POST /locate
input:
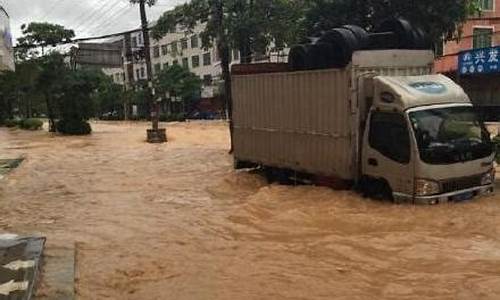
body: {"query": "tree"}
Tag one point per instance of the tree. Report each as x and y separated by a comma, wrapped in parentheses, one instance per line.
(51, 82)
(180, 82)
(41, 35)
(440, 19)
(108, 97)
(75, 104)
(247, 25)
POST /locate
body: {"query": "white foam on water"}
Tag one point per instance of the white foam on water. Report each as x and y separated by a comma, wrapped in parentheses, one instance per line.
(8, 236)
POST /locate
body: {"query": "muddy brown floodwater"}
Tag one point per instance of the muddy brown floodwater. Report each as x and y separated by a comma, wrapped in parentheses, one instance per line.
(175, 221)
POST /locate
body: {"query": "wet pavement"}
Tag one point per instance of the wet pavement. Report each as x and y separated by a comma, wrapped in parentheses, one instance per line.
(175, 221)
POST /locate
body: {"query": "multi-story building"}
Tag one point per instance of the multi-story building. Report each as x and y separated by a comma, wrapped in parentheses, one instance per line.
(181, 47)
(481, 31)
(184, 48)
(6, 50)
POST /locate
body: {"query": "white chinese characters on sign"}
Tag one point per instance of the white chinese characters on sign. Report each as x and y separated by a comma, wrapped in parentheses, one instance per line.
(493, 56)
(480, 61)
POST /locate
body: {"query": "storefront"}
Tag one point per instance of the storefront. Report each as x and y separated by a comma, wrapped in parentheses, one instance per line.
(478, 73)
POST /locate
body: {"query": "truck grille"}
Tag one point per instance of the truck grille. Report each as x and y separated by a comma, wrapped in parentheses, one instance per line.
(460, 183)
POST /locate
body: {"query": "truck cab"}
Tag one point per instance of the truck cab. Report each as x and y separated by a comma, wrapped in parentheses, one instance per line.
(423, 142)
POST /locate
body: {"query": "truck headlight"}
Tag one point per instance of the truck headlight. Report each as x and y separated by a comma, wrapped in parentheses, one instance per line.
(488, 178)
(425, 187)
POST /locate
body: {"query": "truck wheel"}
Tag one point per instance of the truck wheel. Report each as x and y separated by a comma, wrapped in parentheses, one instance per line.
(297, 58)
(343, 42)
(373, 188)
(241, 164)
(360, 34)
(277, 175)
(402, 33)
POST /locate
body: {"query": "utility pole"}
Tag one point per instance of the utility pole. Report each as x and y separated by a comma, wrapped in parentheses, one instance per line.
(154, 135)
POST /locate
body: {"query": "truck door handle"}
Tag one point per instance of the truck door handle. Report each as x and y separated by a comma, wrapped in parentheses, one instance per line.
(372, 162)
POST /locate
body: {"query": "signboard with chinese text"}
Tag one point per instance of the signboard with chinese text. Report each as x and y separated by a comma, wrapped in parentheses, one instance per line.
(479, 61)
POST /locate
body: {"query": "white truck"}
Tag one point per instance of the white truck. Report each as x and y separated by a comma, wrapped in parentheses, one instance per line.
(384, 123)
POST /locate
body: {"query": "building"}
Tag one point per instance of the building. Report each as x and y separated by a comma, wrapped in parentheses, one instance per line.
(181, 47)
(479, 32)
(6, 49)
(184, 48)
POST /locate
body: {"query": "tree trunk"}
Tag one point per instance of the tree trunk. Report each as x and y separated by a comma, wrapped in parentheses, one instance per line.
(245, 44)
(245, 52)
(50, 113)
(223, 49)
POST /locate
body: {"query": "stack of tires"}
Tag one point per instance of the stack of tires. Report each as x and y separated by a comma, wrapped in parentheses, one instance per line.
(334, 48)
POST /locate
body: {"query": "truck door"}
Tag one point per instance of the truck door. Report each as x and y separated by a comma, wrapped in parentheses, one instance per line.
(387, 151)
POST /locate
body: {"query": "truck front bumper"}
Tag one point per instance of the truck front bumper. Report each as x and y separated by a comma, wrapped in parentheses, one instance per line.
(444, 198)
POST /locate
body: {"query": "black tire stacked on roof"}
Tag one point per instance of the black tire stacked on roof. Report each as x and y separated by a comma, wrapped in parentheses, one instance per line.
(334, 48)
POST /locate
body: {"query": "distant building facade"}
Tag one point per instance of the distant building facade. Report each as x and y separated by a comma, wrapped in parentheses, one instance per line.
(6, 49)
(479, 32)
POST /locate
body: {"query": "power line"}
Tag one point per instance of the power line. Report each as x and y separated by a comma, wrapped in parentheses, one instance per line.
(84, 19)
(51, 9)
(111, 19)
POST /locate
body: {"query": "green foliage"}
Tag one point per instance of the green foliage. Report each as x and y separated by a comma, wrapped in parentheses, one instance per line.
(40, 35)
(109, 97)
(429, 14)
(11, 123)
(148, 2)
(31, 124)
(248, 25)
(73, 127)
(76, 104)
(178, 81)
(177, 117)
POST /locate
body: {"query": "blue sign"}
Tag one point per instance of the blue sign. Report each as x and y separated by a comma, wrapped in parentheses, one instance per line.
(479, 61)
(429, 87)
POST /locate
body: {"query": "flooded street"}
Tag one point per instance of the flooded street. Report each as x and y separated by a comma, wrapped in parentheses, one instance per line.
(175, 221)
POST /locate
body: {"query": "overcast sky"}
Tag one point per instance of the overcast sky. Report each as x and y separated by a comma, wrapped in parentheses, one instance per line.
(86, 17)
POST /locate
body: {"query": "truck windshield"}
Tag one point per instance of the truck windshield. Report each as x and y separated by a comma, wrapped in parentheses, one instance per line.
(449, 135)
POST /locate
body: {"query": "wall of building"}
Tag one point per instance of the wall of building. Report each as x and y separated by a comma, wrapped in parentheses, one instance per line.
(6, 50)
(487, 19)
(483, 90)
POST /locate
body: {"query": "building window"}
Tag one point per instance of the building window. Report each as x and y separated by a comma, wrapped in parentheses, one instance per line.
(164, 49)
(194, 41)
(207, 80)
(157, 68)
(486, 4)
(143, 73)
(207, 59)
(185, 62)
(236, 54)
(139, 39)
(175, 62)
(134, 42)
(165, 65)
(173, 47)
(138, 74)
(482, 37)
(184, 43)
(195, 61)
(156, 51)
